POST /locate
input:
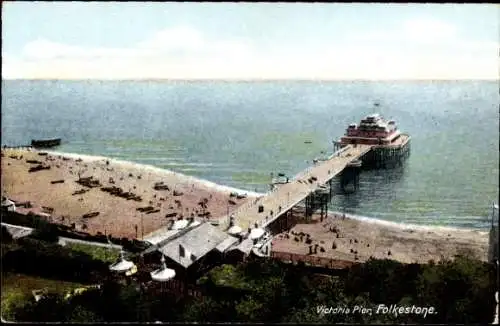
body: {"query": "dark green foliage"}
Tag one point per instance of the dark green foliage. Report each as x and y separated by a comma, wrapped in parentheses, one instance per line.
(385, 280)
(463, 289)
(50, 260)
(46, 232)
(51, 309)
(267, 291)
(6, 236)
(208, 310)
(28, 220)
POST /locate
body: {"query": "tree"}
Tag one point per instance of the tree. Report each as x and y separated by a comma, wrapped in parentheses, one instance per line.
(50, 309)
(80, 314)
(462, 291)
(251, 309)
(46, 232)
(208, 310)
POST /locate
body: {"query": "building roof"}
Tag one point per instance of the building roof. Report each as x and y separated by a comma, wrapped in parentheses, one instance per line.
(7, 202)
(234, 230)
(245, 246)
(194, 244)
(226, 244)
(180, 224)
(17, 231)
(256, 233)
(163, 274)
(160, 235)
(121, 266)
(163, 234)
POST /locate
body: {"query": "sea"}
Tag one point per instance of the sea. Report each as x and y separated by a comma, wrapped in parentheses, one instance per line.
(236, 133)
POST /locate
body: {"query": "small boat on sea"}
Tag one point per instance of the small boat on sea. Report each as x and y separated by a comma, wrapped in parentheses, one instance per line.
(46, 143)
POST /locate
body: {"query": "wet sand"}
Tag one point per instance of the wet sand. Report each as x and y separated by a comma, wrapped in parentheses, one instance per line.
(359, 240)
(117, 216)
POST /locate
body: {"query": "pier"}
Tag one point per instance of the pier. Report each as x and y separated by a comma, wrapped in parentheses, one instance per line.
(266, 209)
(312, 188)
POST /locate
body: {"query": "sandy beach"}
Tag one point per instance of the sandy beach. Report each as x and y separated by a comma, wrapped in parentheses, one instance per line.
(118, 216)
(337, 237)
(357, 240)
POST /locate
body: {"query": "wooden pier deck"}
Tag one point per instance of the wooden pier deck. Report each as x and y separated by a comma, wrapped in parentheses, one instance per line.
(285, 196)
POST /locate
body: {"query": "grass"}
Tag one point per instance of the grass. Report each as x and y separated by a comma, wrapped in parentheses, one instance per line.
(17, 290)
(229, 276)
(104, 254)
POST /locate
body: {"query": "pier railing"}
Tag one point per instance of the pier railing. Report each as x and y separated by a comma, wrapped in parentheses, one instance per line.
(284, 196)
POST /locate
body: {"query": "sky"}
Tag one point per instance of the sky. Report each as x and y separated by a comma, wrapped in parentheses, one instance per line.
(175, 40)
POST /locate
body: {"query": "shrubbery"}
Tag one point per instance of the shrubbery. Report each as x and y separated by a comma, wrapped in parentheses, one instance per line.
(461, 291)
(35, 257)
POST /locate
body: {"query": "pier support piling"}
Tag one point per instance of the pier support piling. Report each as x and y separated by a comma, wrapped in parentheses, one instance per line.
(350, 175)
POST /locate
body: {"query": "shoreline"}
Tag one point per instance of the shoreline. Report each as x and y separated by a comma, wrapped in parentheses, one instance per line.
(213, 186)
(407, 226)
(92, 209)
(356, 240)
(134, 165)
(219, 187)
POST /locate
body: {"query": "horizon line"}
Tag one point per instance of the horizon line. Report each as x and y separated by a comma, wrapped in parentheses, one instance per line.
(257, 79)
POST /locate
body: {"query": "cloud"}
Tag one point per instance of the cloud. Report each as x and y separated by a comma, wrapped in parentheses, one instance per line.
(177, 37)
(428, 30)
(420, 49)
(41, 49)
(179, 52)
(175, 42)
(414, 31)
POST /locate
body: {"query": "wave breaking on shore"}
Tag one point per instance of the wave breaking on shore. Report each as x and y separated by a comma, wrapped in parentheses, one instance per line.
(155, 169)
(408, 226)
(222, 188)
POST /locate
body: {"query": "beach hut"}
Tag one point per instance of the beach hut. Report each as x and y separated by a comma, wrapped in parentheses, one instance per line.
(8, 205)
(163, 274)
(123, 265)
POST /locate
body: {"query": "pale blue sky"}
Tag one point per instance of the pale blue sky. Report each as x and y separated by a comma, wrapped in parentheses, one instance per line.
(249, 40)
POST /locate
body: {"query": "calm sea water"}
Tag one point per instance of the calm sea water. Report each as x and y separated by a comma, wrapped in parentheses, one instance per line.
(237, 133)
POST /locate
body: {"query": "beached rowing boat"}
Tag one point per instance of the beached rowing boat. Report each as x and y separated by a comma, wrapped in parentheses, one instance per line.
(46, 143)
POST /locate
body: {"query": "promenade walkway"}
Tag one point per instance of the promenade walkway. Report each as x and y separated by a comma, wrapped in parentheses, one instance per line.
(285, 196)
